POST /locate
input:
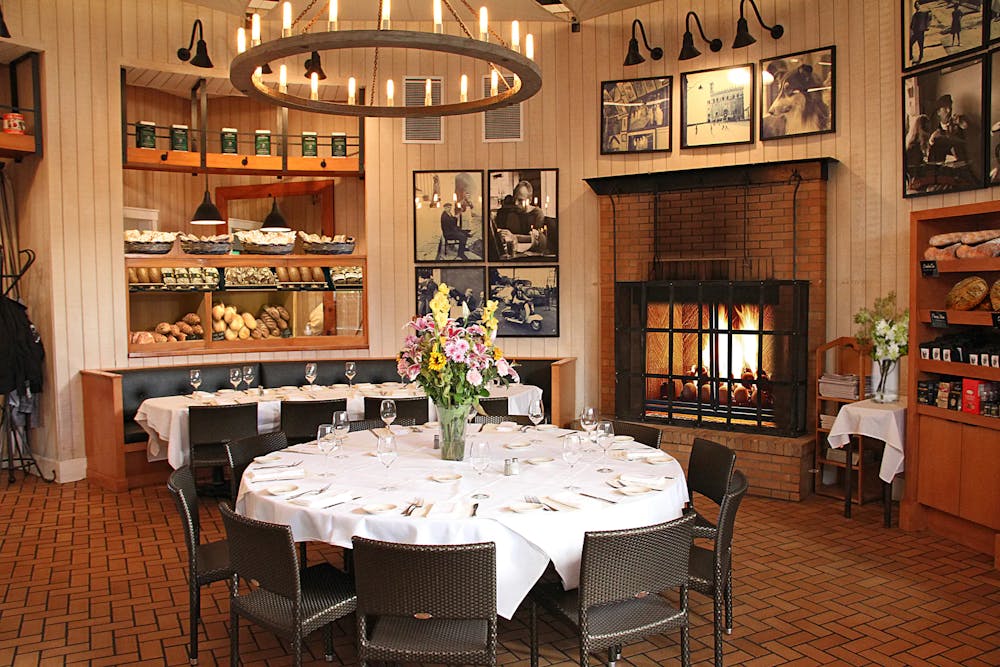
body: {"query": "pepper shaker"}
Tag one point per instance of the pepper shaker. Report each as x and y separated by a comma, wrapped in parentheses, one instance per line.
(437, 441)
(508, 467)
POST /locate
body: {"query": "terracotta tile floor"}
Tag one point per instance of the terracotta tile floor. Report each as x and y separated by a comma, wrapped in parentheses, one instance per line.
(89, 577)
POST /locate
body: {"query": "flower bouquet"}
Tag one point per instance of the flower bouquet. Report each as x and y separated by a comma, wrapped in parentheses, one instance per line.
(454, 362)
(885, 330)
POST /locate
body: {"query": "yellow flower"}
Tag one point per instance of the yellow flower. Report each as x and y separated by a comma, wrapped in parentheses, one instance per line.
(489, 309)
(497, 354)
(436, 361)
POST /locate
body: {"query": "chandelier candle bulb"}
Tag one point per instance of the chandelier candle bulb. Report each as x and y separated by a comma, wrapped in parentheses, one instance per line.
(428, 99)
(463, 94)
(262, 142)
(385, 14)
(352, 90)
(314, 86)
(258, 73)
(283, 79)
(515, 36)
(438, 22)
(484, 33)
(390, 93)
(255, 30)
(309, 144)
(529, 46)
(241, 40)
(286, 19)
(494, 83)
(333, 23)
(338, 144)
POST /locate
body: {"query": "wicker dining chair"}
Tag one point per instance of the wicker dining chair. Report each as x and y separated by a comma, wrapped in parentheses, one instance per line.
(241, 453)
(494, 406)
(711, 570)
(415, 408)
(710, 473)
(301, 419)
(647, 435)
(207, 562)
(369, 424)
(520, 420)
(441, 605)
(210, 427)
(621, 574)
(290, 602)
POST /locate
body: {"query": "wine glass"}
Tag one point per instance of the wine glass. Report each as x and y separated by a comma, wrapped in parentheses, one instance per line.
(605, 438)
(350, 370)
(326, 440)
(387, 454)
(194, 376)
(387, 411)
(479, 457)
(572, 451)
(588, 420)
(536, 413)
(311, 371)
(342, 426)
(235, 377)
(248, 376)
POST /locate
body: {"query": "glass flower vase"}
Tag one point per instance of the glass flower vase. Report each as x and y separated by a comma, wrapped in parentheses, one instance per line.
(885, 380)
(453, 420)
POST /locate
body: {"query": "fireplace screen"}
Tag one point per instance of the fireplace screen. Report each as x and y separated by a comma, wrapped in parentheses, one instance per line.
(717, 354)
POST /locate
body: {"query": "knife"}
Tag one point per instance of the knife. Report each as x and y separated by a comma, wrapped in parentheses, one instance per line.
(607, 500)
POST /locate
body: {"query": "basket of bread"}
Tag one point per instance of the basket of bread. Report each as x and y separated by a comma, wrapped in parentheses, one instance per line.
(314, 244)
(228, 323)
(187, 328)
(982, 244)
(146, 242)
(219, 244)
(257, 242)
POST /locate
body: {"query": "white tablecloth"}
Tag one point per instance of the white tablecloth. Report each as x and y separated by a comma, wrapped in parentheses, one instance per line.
(883, 421)
(165, 418)
(525, 541)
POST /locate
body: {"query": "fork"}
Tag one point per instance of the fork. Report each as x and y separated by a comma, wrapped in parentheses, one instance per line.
(419, 502)
(310, 492)
(277, 466)
(537, 501)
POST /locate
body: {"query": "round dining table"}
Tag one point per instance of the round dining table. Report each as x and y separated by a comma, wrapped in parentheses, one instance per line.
(530, 514)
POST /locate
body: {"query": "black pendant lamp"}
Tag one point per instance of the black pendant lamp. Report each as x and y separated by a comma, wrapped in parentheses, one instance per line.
(743, 36)
(633, 57)
(313, 64)
(201, 58)
(4, 32)
(275, 222)
(207, 213)
(688, 49)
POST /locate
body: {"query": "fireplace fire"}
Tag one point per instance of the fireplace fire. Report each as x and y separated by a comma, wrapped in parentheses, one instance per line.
(720, 354)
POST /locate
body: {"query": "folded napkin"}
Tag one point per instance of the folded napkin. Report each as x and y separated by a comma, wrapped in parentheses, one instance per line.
(658, 483)
(394, 429)
(322, 500)
(305, 448)
(640, 454)
(569, 500)
(202, 394)
(275, 474)
(448, 510)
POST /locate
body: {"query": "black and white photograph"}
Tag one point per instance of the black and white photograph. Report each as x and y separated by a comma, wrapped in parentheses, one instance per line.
(523, 222)
(798, 94)
(467, 286)
(527, 300)
(717, 106)
(943, 134)
(636, 115)
(994, 117)
(448, 216)
(934, 30)
(993, 19)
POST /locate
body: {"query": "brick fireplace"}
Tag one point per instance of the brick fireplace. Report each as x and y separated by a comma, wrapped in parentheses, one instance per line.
(732, 225)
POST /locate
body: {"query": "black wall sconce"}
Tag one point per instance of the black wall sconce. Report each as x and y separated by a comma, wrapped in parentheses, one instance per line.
(4, 32)
(633, 57)
(743, 36)
(688, 50)
(201, 58)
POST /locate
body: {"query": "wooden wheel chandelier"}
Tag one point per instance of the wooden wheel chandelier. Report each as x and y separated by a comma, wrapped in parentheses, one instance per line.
(249, 64)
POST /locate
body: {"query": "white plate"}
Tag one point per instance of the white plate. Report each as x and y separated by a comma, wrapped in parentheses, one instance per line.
(504, 429)
(267, 458)
(659, 460)
(547, 427)
(432, 424)
(635, 490)
(518, 444)
(540, 461)
(281, 489)
(521, 508)
(508, 424)
(624, 438)
(339, 385)
(226, 391)
(289, 387)
(380, 508)
(392, 384)
(453, 477)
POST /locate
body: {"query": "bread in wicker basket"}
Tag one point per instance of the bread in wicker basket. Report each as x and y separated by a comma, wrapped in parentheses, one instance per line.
(314, 244)
(147, 242)
(266, 243)
(220, 244)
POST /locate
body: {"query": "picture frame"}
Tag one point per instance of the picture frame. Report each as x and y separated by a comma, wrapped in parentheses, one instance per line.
(523, 215)
(637, 115)
(928, 31)
(527, 300)
(944, 143)
(798, 94)
(717, 106)
(467, 283)
(993, 119)
(448, 216)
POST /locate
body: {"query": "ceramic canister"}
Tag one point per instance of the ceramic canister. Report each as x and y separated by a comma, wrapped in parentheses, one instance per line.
(13, 123)
(178, 137)
(145, 134)
(230, 141)
(338, 141)
(309, 148)
(262, 142)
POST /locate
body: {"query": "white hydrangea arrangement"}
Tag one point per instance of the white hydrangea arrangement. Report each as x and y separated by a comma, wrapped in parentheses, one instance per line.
(884, 329)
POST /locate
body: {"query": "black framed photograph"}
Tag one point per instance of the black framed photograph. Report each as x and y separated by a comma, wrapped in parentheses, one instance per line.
(467, 286)
(993, 118)
(717, 106)
(934, 30)
(943, 134)
(527, 300)
(992, 19)
(636, 115)
(798, 94)
(448, 216)
(523, 215)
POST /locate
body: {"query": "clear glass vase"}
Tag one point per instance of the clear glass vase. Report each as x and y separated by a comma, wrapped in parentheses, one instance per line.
(885, 379)
(453, 420)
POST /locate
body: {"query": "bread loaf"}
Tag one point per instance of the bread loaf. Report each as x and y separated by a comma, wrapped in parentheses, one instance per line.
(941, 240)
(941, 253)
(163, 328)
(143, 274)
(143, 337)
(133, 277)
(985, 250)
(155, 275)
(972, 238)
(995, 295)
(192, 319)
(966, 294)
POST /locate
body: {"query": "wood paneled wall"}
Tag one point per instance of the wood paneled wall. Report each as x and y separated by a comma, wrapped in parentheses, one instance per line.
(70, 202)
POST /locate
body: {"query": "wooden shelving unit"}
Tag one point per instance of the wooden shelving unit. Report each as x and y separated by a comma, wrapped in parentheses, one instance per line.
(952, 457)
(844, 356)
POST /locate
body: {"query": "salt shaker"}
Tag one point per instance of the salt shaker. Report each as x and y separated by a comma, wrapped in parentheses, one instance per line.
(515, 466)
(437, 441)
(508, 467)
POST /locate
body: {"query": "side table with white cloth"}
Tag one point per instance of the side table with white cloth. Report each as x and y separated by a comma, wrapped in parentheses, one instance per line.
(165, 418)
(531, 516)
(882, 421)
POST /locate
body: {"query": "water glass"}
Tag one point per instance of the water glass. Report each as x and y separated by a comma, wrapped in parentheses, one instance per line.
(605, 438)
(588, 419)
(326, 440)
(572, 451)
(248, 375)
(387, 454)
(195, 378)
(311, 372)
(387, 411)
(342, 426)
(536, 413)
(235, 377)
(350, 370)
(479, 457)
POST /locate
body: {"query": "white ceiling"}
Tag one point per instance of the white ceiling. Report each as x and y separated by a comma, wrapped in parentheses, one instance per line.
(420, 10)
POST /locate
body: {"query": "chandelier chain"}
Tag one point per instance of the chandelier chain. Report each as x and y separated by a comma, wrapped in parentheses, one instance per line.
(305, 11)
(468, 34)
(371, 91)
